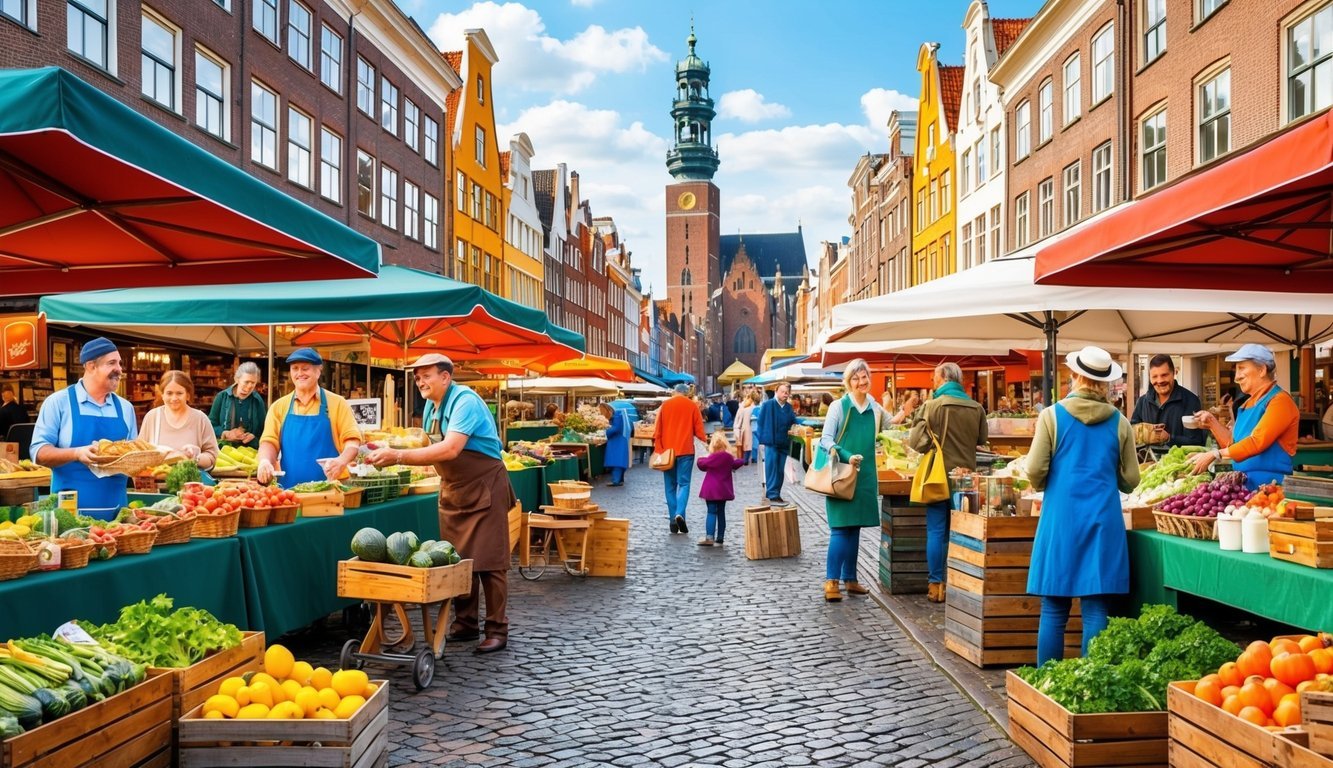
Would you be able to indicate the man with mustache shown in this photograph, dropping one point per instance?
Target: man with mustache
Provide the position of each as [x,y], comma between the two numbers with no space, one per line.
[69,424]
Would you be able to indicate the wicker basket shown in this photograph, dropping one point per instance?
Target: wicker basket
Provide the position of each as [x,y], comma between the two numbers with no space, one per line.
[16,559]
[174,530]
[109,548]
[1186,526]
[131,463]
[75,553]
[254,517]
[216,526]
[352,496]
[136,542]
[282,515]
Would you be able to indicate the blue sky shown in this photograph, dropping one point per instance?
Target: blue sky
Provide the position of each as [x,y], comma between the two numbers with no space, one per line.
[803,89]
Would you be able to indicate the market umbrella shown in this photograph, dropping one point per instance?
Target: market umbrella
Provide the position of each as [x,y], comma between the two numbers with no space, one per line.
[594,366]
[737,371]
[95,195]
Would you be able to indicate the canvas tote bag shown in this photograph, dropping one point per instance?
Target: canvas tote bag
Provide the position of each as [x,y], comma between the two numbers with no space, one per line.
[930,484]
[833,478]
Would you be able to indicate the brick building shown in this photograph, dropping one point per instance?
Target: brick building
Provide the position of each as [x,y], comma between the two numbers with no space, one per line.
[894,180]
[550,192]
[342,110]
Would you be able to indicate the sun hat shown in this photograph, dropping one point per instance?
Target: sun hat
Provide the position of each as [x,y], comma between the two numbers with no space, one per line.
[1094,363]
[433,358]
[305,355]
[1257,353]
[95,349]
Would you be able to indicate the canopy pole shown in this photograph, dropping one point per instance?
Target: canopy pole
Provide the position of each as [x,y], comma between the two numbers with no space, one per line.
[1048,378]
[270,366]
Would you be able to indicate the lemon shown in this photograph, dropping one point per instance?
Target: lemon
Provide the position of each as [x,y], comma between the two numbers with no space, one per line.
[252,712]
[265,678]
[242,695]
[278,661]
[308,700]
[325,714]
[329,698]
[230,686]
[370,690]
[279,712]
[214,715]
[321,678]
[350,681]
[301,672]
[289,689]
[260,693]
[348,706]
[224,704]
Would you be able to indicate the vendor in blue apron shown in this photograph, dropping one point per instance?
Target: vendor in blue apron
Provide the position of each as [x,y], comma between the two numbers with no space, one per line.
[71,422]
[1263,439]
[306,426]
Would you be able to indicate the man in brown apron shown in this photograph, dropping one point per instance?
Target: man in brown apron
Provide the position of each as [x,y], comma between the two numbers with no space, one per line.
[475,495]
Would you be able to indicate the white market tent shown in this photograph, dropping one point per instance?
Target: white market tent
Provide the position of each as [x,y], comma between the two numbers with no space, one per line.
[578,385]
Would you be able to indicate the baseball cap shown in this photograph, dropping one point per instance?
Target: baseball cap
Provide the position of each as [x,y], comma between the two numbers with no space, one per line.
[433,358]
[305,355]
[1257,353]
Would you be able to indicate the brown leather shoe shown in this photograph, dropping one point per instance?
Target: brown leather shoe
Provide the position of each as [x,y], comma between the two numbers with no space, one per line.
[855,588]
[935,592]
[491,645]
[831,593]
[462,636]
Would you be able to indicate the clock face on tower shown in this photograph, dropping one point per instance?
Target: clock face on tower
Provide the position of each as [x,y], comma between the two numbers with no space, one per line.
[686,201]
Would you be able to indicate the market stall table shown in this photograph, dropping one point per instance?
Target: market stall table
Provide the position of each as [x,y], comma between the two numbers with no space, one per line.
[527,485]
[529,434]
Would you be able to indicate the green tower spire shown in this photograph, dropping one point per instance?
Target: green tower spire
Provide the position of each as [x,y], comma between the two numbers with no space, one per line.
[692,157]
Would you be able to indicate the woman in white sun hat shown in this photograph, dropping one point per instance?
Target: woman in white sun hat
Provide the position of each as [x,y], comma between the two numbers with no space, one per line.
[1083,457]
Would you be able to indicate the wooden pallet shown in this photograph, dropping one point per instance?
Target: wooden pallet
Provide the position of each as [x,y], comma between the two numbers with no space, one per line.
[771,532]
[1056,738]
[1304,542]
[1205,735]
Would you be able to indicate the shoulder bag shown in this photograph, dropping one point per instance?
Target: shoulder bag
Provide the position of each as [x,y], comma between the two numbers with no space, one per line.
[833,478]
[930,484]
[663,460]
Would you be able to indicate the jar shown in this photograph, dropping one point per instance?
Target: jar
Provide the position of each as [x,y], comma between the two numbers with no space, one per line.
[1254,535]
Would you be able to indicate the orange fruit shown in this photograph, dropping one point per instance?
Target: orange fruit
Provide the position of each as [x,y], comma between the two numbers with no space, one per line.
[1209,690]
[1310,643]
[1230,690]
[1277,689]
[1253,663]
[1287,713]
[1253,715]
[1285,645]
[1323,660]
[1232,705]
[1261,649]
[1293,668]
[1229,674]
[1256,695]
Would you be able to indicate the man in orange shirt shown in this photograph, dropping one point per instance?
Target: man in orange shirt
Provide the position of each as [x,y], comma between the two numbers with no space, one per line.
[678,424]
[1266,426]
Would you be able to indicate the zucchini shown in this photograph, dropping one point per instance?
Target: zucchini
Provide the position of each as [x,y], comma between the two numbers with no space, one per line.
[53,704]
[25,708]
[9,727]
[74,695]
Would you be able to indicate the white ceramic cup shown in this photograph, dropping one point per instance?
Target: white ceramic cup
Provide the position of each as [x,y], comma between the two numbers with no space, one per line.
[1189,422]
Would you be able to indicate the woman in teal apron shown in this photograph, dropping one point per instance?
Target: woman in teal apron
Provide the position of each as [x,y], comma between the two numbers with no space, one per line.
[1263,440]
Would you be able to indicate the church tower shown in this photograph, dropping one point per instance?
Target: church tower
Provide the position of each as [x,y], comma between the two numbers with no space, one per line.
[693,232]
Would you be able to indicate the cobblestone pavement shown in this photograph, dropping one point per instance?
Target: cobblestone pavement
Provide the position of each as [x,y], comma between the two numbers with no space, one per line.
[698,657]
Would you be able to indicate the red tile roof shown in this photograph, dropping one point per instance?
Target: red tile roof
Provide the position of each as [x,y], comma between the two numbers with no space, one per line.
[504,168]
[951,93]
[1006,31]
[455,60]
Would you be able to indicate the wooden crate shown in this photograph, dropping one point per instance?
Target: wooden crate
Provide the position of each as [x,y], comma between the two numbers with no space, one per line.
[192,685]
[1139,519]
[386,582]
[323,504]
[771,532]
[1291,749]
[1317,713]
[1056,738]
[1304,542]
[902,551]
[358,742]
[893,483]
[608,547]
[132,728]
[1204,735]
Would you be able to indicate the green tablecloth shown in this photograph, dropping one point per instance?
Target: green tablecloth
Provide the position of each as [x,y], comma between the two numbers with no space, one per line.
[531,434]
[527,484]
[1257,583]
[204,573]
[291,571]
[558,469]
[596,460]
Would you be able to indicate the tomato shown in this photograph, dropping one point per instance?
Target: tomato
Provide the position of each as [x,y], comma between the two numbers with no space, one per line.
[1293,668]
[211,505]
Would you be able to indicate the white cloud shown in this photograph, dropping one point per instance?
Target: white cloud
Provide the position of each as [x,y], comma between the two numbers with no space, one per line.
[583,3]
[879,103]
[749,106]
[797,148]
[532,60]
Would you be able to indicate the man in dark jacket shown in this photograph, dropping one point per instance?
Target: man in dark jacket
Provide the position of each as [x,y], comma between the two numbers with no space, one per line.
[775,419]
[1166,404]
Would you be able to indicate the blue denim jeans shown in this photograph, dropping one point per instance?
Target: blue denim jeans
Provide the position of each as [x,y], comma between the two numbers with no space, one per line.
[1055,617]
[842,552]
[774,461]
[937,540]
[617,474]
[716,526]
[677,483]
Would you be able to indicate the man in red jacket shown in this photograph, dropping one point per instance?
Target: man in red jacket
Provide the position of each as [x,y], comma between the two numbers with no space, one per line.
[678,424]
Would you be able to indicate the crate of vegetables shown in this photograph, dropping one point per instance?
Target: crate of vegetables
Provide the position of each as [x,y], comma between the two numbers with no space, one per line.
[320,498]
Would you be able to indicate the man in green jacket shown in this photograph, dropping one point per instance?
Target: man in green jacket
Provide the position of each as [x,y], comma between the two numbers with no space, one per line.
[238,411]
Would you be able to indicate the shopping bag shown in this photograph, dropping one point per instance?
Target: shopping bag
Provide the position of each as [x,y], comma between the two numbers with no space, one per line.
[792,470]
[930,484]
[663,460]
[831,477]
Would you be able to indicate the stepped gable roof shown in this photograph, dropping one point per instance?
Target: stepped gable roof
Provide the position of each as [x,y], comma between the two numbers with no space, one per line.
[1005,32]
[784,251]
[504,167]
[543,189]
[455,60]
[951,93]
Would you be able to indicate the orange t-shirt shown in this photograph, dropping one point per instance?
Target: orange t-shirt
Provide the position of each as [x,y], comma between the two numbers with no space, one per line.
[678,423]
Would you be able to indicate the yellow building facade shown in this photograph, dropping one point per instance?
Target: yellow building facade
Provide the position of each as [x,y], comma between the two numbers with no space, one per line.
[934,194]
[478,210]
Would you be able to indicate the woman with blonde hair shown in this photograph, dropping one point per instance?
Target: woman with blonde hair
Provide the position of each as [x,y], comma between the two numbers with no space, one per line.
[741,431]
[176,425]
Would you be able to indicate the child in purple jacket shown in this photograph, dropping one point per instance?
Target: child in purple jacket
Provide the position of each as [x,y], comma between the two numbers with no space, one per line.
[717,489]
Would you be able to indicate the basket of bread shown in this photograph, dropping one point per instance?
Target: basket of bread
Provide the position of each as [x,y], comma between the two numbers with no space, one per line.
[124,457]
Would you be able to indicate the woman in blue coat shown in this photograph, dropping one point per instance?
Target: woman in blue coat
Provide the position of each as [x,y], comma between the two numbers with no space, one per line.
[1083,457]
[617,443]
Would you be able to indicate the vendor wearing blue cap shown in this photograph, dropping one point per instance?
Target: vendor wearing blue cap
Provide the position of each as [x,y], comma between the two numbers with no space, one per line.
[1264,438]
[69,424]
[309,424]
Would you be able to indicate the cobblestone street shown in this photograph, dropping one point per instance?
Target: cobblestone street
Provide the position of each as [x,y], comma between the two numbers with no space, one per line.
[698,657]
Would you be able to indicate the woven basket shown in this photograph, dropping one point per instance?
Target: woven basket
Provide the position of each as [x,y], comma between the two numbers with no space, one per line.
[75,553]
[216,526]
[254,517]
[174,530]
[1186,526]
[136,542]
[282,515]
[131,463]
[109,548]
[16,559]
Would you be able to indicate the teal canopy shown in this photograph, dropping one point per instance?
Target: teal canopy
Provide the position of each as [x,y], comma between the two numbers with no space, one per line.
[95,195]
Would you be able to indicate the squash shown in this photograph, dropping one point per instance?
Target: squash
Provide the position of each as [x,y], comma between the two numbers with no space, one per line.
[421,559]
[399,547]
[370,545]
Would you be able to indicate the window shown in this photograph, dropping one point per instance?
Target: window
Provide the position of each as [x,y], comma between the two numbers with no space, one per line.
[365,86]
[1073,104]
[22,11]
[266,18]
[430,231]
[331,58]
[982,174]
[1046,207]
[480,149]
[300,134]
[1215,116]
[920,209]
[1209,7]
[388,106]
[994,233]
[298,33]
[481,89]
[1154,149]
[934,199]
[330,165]
[388,197]
[1021,220]
[365,184]
[476,201]
[158,61]
[965,173]
[1073,185]
[1310,63]
[996,160]
[744,343]
[946,192]
[1154,29]
[263,125]
[411,210]
[411,124]
[1045,112]
[86,34]
[1101,178]
[1023,132]
[210,94]
[461,193]
[490,211]
[979,226]
[967,245]
[431,147]
[1103,64]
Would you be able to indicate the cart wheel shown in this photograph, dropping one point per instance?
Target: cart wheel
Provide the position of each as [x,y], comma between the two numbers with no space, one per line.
[573,569]
[348,659]
[423,669]
[535,568]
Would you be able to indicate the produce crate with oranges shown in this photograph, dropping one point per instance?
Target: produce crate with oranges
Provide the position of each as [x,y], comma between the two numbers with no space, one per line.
[289,713]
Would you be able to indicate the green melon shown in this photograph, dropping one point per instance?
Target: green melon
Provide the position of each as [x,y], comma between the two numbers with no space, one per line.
[437,556]
[369,545]
[421,560]
[412,540]
[399,547]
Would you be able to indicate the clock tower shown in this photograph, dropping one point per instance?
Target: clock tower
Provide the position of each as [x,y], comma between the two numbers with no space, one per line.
[693,231]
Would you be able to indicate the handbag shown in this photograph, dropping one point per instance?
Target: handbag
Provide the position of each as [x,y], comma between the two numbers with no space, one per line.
[930,484]
[663,460]
[834,478]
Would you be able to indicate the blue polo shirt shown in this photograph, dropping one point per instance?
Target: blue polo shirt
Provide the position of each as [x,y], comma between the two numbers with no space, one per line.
[55,428]
[464,411]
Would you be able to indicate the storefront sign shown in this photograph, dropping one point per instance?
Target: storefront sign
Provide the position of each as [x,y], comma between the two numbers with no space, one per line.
[24,342]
